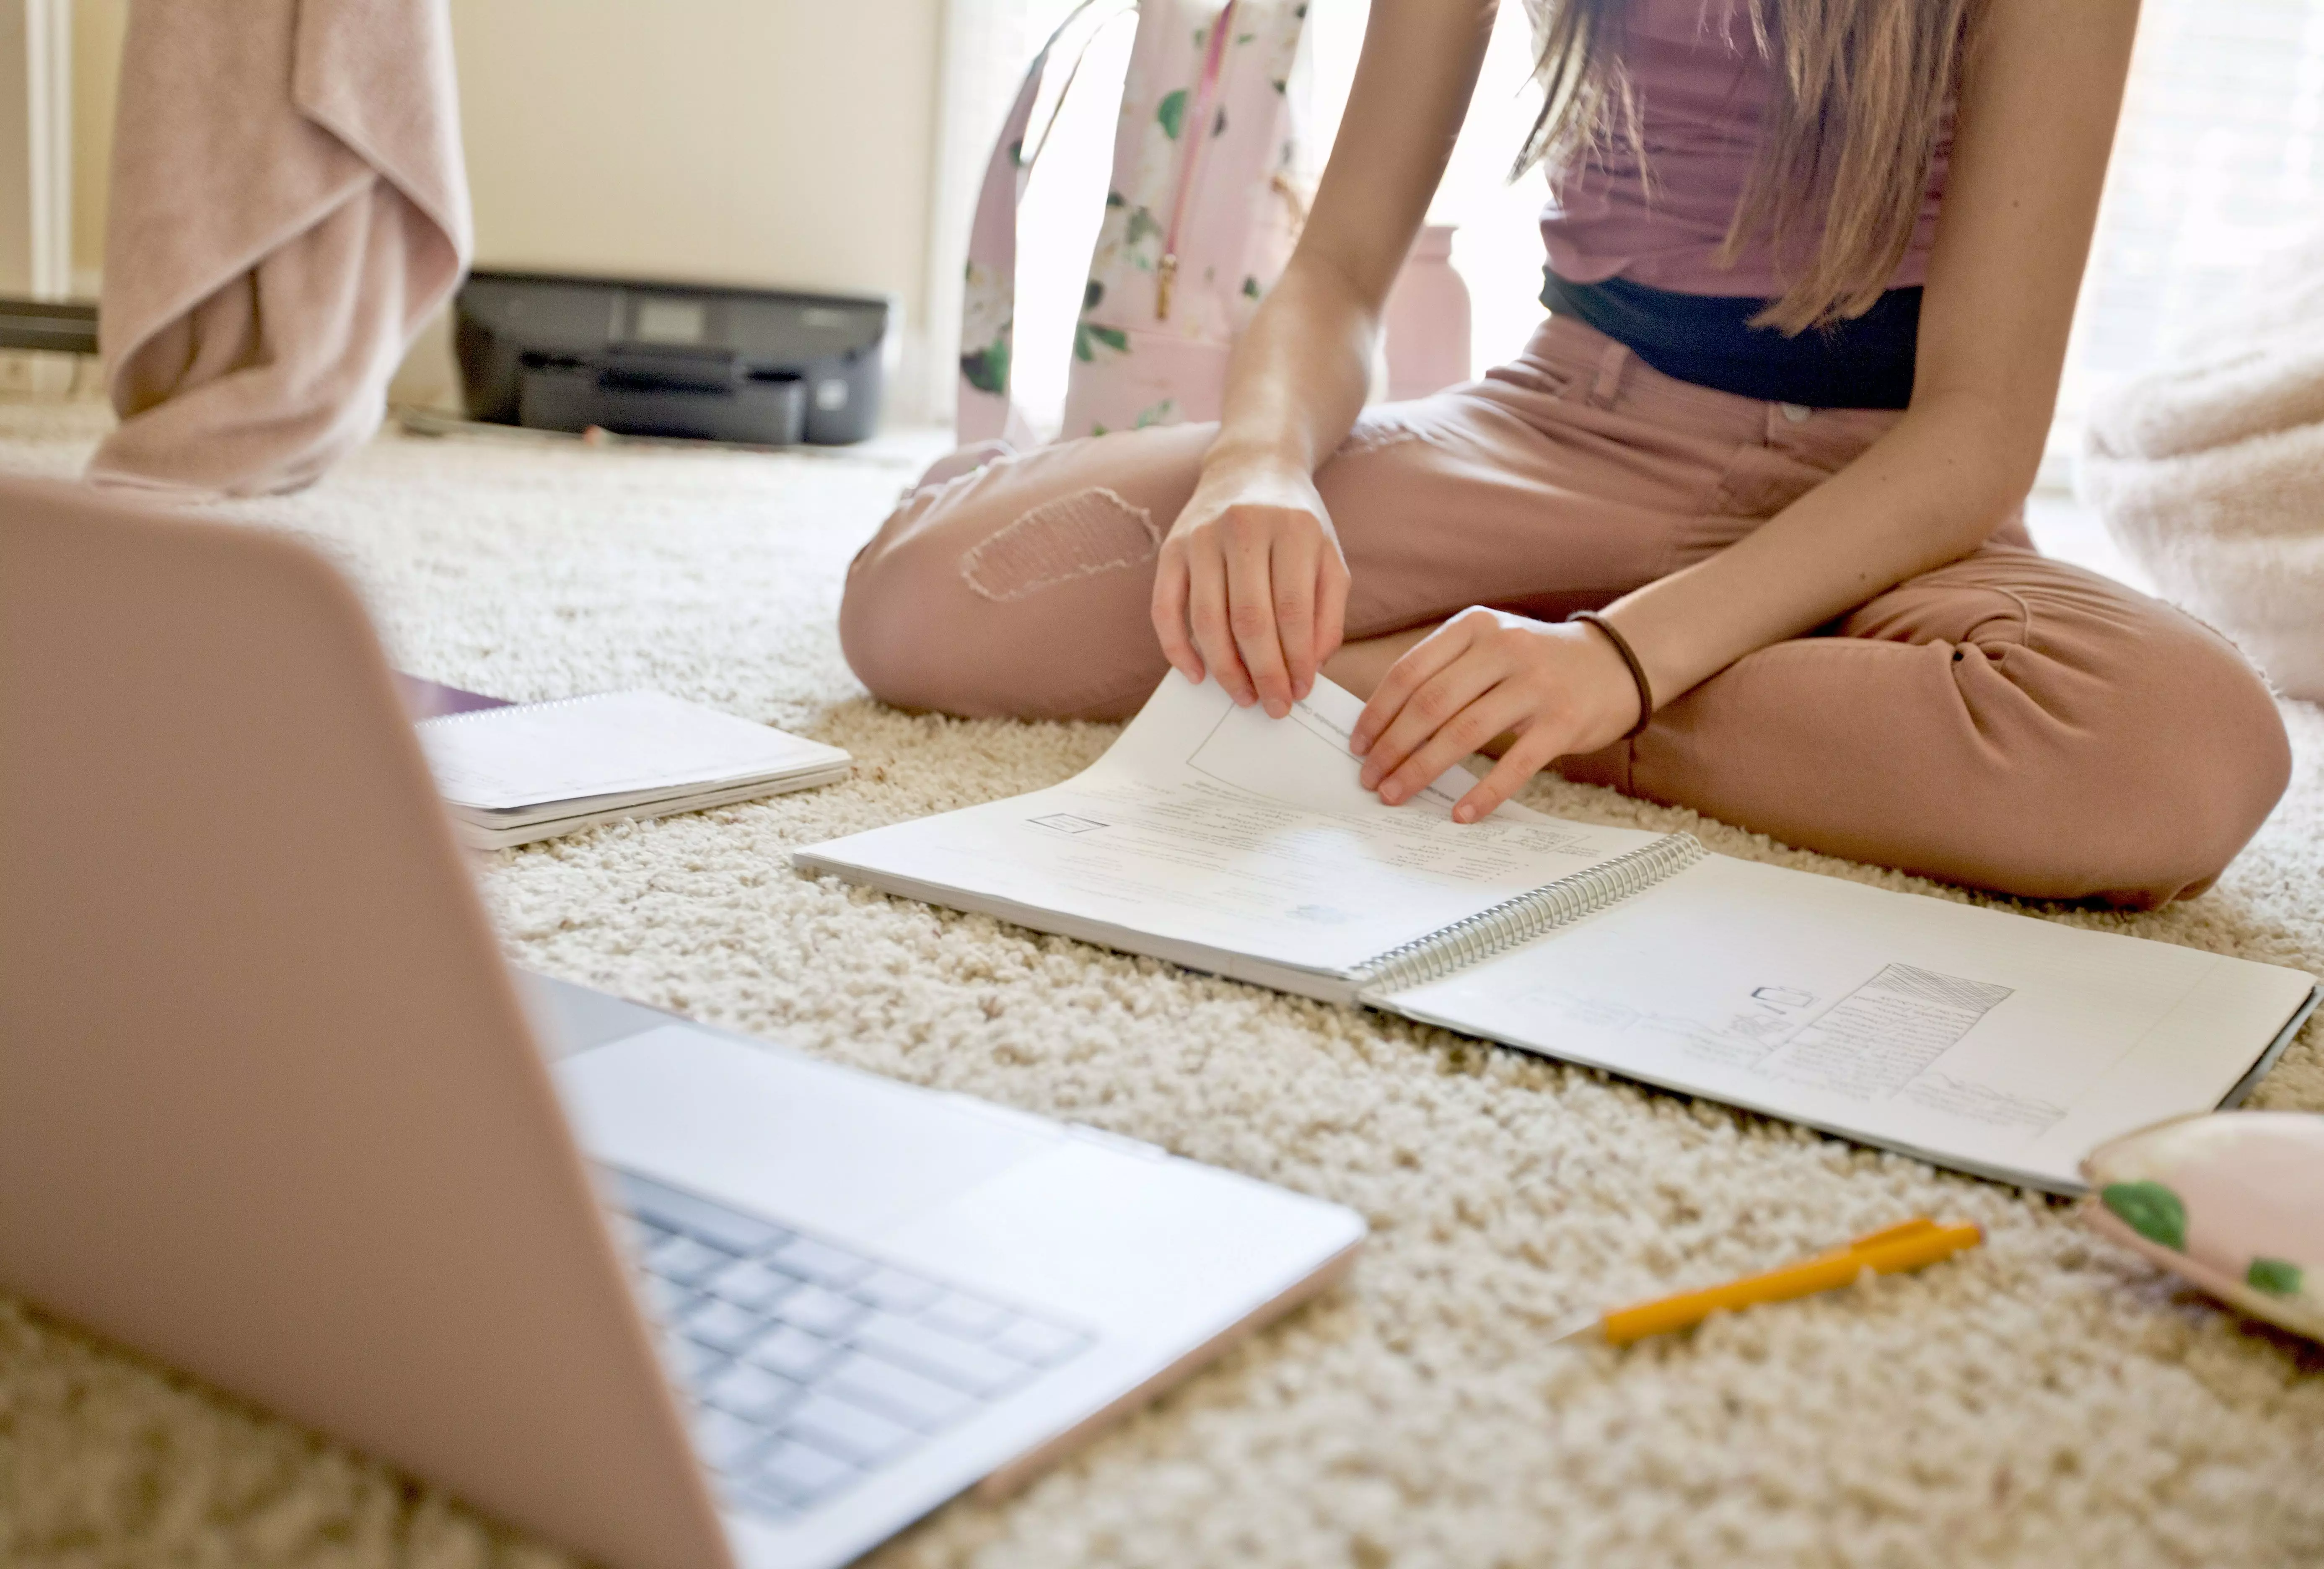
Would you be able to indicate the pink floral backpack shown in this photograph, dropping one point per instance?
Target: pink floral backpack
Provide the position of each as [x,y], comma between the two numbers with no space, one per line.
[1201,217]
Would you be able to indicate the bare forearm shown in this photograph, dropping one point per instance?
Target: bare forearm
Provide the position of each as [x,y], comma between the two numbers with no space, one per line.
[2039,93]
[1929,492]
[1299,375]
[2039,98]
[1301,370]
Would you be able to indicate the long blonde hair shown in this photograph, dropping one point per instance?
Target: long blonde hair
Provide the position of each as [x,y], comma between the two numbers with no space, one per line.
[1860,91]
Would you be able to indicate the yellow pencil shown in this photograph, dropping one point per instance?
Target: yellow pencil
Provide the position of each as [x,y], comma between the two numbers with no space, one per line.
[1907,1245]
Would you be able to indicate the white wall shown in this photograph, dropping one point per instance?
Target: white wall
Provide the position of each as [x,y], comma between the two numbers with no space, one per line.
[96,30]
[35,147]
[754,142]
[15,155]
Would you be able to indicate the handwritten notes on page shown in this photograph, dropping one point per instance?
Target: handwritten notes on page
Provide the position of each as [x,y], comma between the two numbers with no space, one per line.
[1209,825]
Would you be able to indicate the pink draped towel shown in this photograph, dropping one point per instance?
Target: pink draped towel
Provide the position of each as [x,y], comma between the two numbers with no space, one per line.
[287,206]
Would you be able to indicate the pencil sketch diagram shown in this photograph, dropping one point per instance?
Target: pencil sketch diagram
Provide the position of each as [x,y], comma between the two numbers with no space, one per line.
[1246,750]
[1885,1034]
[1977,1102]
[1066,823]
[1773,1014]
[1878,1041]
[1299,758]
[1769,1016]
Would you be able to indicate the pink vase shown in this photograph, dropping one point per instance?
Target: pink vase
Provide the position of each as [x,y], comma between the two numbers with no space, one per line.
[1427,320]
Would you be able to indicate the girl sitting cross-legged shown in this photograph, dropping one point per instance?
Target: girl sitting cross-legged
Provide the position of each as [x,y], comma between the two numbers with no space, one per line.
[1811,265]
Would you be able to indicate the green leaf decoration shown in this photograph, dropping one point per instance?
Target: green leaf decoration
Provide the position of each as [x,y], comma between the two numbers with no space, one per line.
[1114,338]
[2276,1277]
[1081,350]
[1017,152]
[2150,1209]
[1219,126]
[1171,113]
[987,370]
[1092,292]
[1158,414]
[1141,223]
[1096,429]
[1251,288]
[1115,199]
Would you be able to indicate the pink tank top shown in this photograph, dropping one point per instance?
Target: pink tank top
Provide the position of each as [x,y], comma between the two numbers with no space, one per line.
[1702,88]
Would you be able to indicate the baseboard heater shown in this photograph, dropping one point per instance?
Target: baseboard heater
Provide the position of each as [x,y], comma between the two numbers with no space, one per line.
[769,367]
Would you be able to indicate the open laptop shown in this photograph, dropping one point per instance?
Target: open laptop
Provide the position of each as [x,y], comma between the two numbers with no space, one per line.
[273,1109]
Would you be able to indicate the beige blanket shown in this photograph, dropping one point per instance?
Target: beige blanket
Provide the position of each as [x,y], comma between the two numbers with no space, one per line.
[288,206]
[2210,471]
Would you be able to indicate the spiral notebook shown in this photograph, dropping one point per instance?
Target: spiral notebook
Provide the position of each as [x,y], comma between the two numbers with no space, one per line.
[1991,1042]
[514,773]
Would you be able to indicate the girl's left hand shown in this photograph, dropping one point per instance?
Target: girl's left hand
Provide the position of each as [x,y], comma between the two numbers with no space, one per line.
[1557,687]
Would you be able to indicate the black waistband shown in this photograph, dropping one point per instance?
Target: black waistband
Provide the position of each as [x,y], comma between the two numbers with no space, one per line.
[1707,339]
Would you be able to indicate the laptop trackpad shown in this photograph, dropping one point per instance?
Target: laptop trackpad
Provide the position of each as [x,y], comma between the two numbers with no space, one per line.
[824,1147]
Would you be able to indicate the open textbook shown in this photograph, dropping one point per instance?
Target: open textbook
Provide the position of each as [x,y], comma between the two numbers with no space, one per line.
[1995,1043]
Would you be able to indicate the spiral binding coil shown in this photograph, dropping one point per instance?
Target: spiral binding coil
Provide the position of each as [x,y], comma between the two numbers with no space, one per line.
[1529,915]
[503,708]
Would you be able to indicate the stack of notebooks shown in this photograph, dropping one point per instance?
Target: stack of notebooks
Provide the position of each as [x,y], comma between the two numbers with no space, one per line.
[512,773]
[1976,1039]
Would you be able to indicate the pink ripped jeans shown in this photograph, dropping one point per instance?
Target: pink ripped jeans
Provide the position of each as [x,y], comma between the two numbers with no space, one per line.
[2007,721]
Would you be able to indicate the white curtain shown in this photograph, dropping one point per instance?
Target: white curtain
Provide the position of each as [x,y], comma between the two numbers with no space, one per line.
[987,44]
[2218,161]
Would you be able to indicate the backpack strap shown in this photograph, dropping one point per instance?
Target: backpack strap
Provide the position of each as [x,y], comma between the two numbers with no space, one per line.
[988,313]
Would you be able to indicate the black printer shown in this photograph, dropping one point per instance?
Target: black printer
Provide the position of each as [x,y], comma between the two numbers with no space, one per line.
[768,367]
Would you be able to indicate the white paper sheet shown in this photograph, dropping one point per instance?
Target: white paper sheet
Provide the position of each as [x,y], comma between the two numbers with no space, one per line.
[613,743]
[1215,825]
[1985,1040]
[1988,1042]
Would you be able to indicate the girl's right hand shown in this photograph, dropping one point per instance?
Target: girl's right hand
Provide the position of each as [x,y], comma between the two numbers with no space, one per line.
[1251,587]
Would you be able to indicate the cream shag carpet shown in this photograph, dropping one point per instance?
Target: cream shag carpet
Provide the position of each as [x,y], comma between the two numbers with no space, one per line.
[2046,1399]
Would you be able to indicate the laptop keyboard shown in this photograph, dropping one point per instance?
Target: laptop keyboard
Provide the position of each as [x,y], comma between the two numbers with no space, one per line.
[813,1366]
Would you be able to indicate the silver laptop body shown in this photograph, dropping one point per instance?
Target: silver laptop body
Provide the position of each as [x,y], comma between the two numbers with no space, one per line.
[276,1113]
